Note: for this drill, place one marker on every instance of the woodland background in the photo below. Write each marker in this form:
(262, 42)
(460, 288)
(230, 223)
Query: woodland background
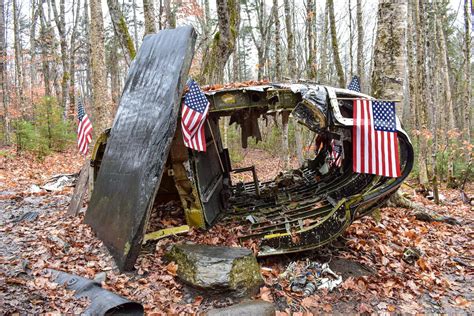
(53, 52)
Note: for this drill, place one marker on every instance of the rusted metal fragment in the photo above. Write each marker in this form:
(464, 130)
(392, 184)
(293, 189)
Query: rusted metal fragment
(139, 143)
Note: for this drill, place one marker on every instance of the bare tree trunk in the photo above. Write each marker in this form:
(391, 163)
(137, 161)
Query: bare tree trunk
(45, 44)
(222, 46)
(102, 107)
(388, 72)
(170, 15)
(60, 20)
(335, 46)
(114, 73)
(467, 109)
(18, 58)
(276, 17)
(323, 77)
(149, 14)
(448, 101)
(351, 39)
(262, 42)
(34, 18)
(72, 61)
(413, 84)
(310, 18)
(420, 97)
(135, 22)
(3, 74)
(360, 44)
(121, 30)
(290, 38)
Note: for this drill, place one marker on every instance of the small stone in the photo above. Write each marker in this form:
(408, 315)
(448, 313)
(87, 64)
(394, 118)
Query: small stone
(257, 307)
(215, 268)
(100, 277)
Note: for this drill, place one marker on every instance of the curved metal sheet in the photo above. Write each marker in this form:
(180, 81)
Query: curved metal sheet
(139, 143)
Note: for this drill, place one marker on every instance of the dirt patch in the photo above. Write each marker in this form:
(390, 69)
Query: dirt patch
(349, 268)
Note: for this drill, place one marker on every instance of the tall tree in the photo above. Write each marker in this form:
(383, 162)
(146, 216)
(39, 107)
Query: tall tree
(60, 21)
(447, 100)
(351, 40)
(121, 30)
(389, 64)
(3, 74)
(149, 14)
(310, 34)
(102, 107)
(324, 71)
(360, 43)
(45, 44)
(222, 46)
(72, 54)
(262, 39)
(420, 99)
(277, 44)
(467, 108)
(290, 39)
(18, 57)
(335, 45)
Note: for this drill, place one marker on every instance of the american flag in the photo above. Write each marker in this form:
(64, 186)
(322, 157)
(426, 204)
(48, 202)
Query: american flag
(337, 152)
(354, 85)
(84, 129)
(375, 143)
(193, 116)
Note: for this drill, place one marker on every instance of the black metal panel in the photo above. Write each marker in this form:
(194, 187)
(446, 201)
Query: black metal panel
(139, 143)
(209, 173)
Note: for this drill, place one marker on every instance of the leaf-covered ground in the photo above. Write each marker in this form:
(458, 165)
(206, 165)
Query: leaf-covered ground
(369, 256)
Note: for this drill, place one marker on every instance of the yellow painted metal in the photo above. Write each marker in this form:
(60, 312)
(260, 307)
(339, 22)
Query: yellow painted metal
(338, 205)
(165, 232)
(187, 190)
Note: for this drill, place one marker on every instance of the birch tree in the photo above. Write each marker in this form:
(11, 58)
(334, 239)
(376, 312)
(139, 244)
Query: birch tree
(149, 15)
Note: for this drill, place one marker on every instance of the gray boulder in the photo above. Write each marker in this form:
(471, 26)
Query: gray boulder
(217, 269)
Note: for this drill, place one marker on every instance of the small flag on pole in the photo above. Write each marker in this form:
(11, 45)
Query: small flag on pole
(193, 117)
(374, 138)
(354, 85)
(337, 152)
(84, 129)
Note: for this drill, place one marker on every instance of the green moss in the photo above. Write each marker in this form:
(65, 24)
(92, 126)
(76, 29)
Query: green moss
(186, 268)
(129, 42)
(245, 273)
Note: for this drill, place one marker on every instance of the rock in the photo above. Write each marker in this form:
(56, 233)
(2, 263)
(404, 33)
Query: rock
(100, 277)
(215, 268)
(251, 308)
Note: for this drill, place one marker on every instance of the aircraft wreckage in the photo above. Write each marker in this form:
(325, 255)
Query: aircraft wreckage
(142, 159)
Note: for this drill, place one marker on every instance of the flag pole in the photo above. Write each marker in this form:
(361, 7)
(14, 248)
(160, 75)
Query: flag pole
(215, 145)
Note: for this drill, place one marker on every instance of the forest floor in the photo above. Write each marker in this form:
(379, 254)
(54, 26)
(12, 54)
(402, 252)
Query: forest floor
(369, 255)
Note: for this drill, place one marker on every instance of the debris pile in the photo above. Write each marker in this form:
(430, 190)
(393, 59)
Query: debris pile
(314, 276)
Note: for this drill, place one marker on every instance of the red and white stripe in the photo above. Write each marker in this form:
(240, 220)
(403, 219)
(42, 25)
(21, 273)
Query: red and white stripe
(192, 120)
(374, 152)
(84, 134)
(197, 141)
